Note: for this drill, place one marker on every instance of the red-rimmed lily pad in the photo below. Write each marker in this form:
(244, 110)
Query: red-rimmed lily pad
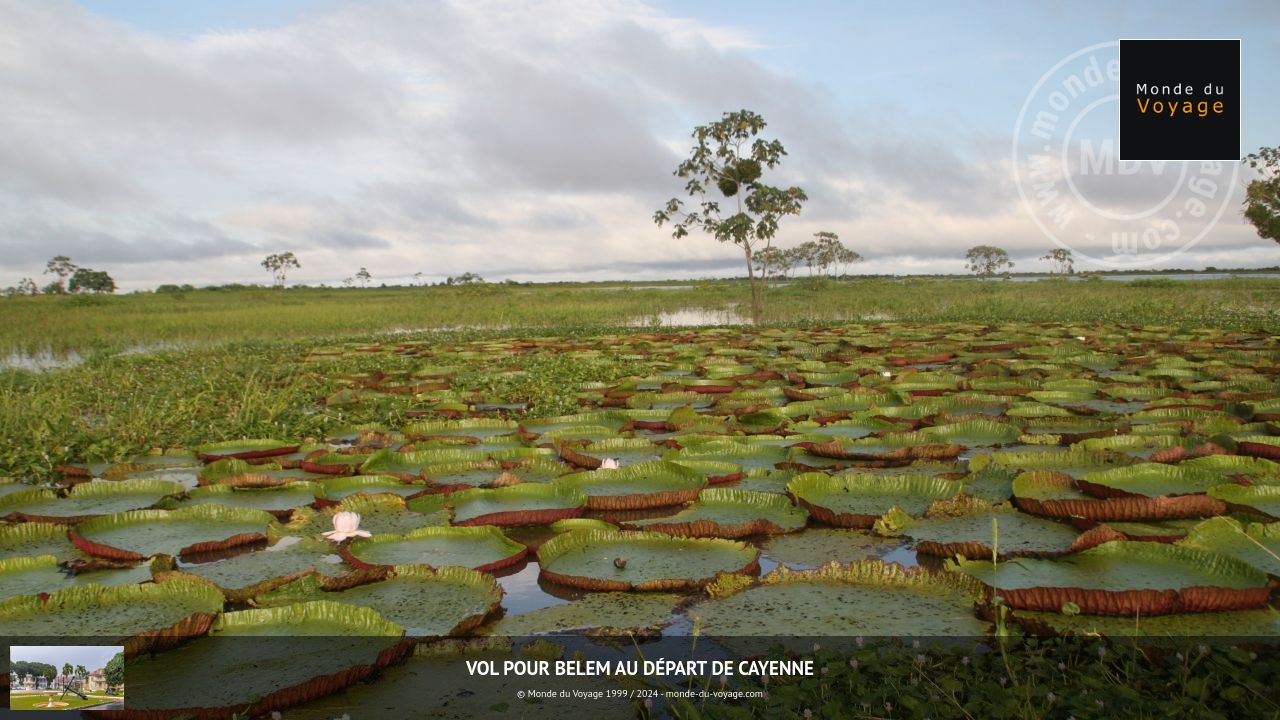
(279, 500)
(648, 561)
(1261, 499)
(636, 487)
(1255, 543)
(972, 529)
(1148, 480)
(729, 513)
(379, 514)
(138, 534)
(522, 504)
(247, 574)
(1125, 578)
(144, 617)
(425, 601)
(244, 449)
(31, 538)
(868, 598)
(332, 645)
(1056, 495)
(86, 500)
(482, 548)
(340, 487)
(858, 500)
(43, 574)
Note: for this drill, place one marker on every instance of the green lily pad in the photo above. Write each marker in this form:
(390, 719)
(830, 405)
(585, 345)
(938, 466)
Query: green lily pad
(243, 449)
(973, 531)
(868, 598)
(138, 534)
(244, 575)
(1125, 578)
(379, 514)
(425, 601)
(332, 645)
(31, 575)
(1255, 543)
(857, 500)
(636, 487)
(31, 538)
(273, 499)
(974, 433)
(338, 488)
(88, 499)
(1149, 480)
(605, 613)
(523, 504)
(482, 548)
(819, 546)
(729, 513)
(603, 560)
(111, 612)
(1264, 499)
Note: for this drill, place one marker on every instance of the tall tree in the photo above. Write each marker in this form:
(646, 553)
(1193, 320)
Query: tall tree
(364, 277)
(771, 258)
(115, 670)
(987, 260)
(62, 267)
(1262, 196)
(279, 265)
(66, 670)
(94, 281)
(729, 156)
(1060, 260)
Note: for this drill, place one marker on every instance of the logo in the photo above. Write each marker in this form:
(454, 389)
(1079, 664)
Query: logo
(1067, 167)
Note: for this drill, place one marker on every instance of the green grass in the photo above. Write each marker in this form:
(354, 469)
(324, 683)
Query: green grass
(96, 324)
(28, 702)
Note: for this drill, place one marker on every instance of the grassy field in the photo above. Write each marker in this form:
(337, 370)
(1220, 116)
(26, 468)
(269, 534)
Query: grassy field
(29, 702)
(86, 324)
(237, 378)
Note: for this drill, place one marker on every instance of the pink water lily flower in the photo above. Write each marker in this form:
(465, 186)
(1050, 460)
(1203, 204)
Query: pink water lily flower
(346, 525)
(609, 464)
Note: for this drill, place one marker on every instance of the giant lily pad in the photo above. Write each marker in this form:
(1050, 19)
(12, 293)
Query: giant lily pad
(1148, 480)
(1263, 499)
(617, 560)
(729, 513)
(1055, 494)
(41, 574)
(972, 529)
(636, 487)
(138, 534)
(87, 500)
(1255, 543)
(605, 613)
(482, 548)
(1125, 578)
(425, 601)
(857, 500)
(146, 614)
(244, 575)
(379, 514)
(331, 645)
(279, 500)
(340, 487)
(819, 546)
(864, 598)
(30, 539)
(244, 449)
(523, 504)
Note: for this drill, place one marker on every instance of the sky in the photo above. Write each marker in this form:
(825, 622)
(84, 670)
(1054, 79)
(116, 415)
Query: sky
(92, 657)
(182, 142)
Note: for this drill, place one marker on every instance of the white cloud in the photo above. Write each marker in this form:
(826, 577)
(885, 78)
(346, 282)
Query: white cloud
(518, 140)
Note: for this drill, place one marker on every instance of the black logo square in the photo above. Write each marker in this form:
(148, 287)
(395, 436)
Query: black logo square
(1180, 100)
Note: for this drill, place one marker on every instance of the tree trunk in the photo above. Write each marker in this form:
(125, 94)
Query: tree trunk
(757, 302)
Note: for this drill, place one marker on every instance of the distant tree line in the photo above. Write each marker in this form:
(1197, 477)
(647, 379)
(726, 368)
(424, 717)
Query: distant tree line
(68, 278)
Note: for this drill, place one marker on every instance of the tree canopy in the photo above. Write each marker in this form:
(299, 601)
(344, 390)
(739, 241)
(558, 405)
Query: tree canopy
(1262, 196)
(729, 156)
(987, 260)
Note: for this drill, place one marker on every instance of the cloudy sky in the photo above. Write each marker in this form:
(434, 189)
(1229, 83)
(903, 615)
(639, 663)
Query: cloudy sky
(181, 142)
(91, 657)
